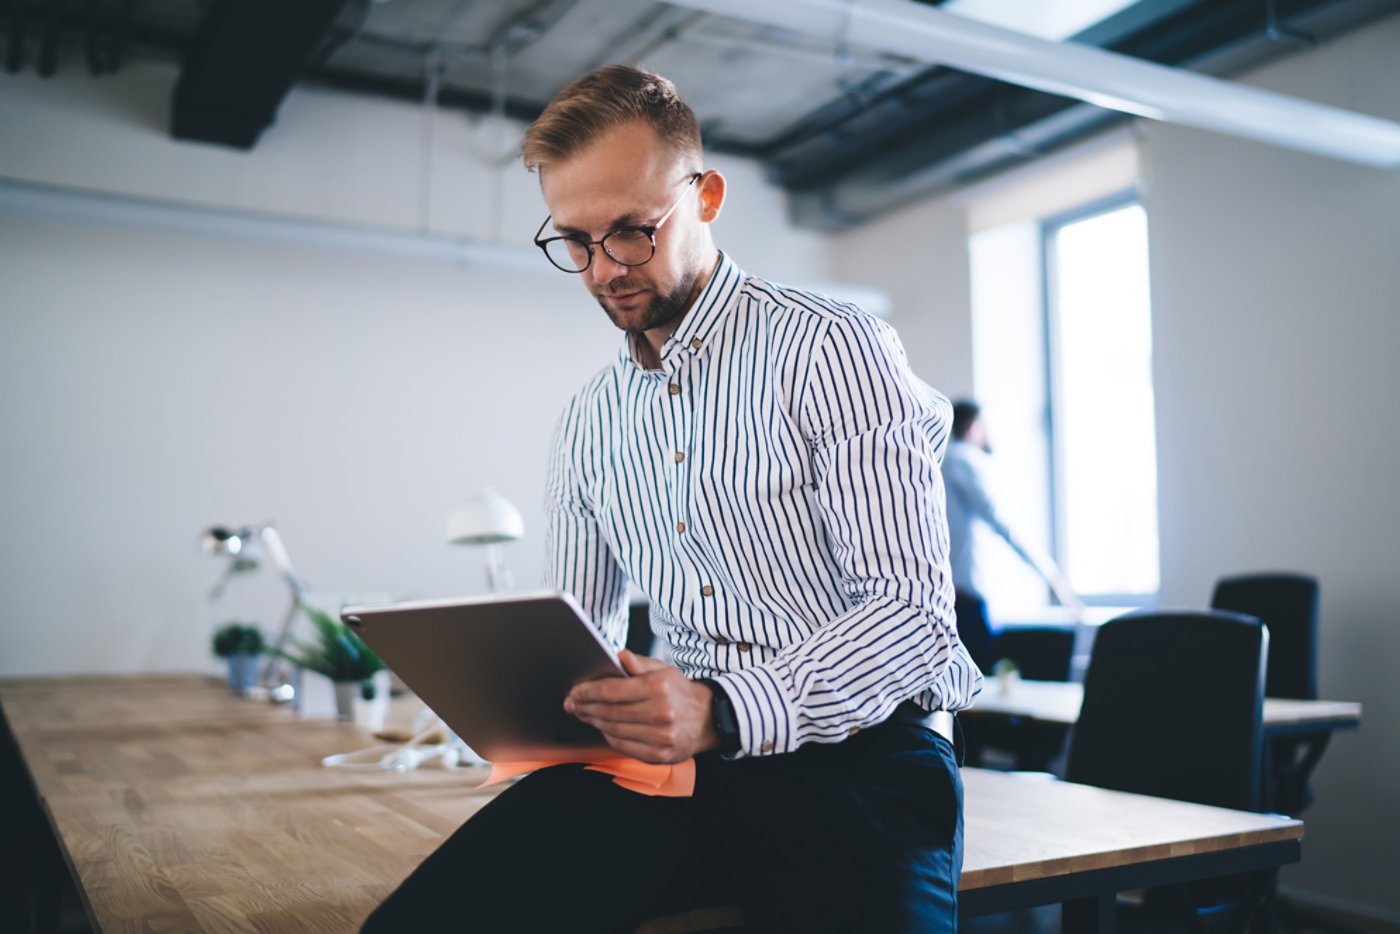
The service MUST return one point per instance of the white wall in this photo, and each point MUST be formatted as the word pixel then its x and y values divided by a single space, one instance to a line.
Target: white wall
pixel 919 255
pixel 1276 307
pixel 157 381
pixel 1276 303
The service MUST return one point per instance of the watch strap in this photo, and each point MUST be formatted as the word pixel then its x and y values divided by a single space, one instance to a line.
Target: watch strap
pixel 722 717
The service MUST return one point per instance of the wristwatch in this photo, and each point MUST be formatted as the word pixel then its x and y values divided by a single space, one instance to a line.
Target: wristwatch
pixel 722 717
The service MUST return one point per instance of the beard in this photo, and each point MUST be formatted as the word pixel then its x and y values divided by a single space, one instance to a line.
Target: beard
pixel 661 309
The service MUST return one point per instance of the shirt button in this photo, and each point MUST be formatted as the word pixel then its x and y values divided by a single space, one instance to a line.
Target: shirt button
pixel 853 731
pixel 767 746
pixel 721 640
pixel 680 526
pixel 696 344
pixel 680 456
pixel 744 646
pixel 707 591
pixel 674 389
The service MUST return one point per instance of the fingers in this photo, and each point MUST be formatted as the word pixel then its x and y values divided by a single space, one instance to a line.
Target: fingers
pixel 635 664
pixel 645 752
pixel 645 734
pixel 603 712
pixel 612 691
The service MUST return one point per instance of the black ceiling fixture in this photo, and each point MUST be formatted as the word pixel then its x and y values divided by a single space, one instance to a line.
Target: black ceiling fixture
pixel 247 56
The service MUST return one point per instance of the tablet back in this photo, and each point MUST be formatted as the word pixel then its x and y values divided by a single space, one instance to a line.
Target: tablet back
pixel 496 668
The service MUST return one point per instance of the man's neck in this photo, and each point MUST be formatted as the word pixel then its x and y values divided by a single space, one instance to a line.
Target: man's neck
pixel 648 344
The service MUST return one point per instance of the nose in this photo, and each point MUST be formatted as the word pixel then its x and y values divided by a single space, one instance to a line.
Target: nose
pixel 604 268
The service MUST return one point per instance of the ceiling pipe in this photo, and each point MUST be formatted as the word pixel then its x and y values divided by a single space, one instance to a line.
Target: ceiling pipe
pixel 1106 79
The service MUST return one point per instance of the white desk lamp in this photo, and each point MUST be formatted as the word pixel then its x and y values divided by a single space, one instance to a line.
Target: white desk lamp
pixel 487 519
pixel 235 543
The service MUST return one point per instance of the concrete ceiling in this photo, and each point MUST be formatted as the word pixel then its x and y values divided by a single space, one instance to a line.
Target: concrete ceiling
pixel 849 132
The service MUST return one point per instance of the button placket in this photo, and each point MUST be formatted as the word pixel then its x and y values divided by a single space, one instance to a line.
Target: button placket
pixel 681 416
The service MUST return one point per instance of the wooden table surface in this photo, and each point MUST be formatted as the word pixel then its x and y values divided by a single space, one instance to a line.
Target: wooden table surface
pixel 1059 702
pixel 180 807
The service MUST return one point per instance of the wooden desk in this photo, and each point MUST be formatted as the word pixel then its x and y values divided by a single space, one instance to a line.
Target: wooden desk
pixel 1058 702
pixel 178 807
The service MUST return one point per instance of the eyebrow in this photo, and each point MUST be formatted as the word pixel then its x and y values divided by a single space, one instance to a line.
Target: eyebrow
pixel 631 219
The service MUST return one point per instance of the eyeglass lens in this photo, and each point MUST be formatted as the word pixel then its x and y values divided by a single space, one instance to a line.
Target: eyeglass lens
pixel 628 247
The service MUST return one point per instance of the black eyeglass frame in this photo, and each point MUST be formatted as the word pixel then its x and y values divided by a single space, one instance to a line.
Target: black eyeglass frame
pixel 648 229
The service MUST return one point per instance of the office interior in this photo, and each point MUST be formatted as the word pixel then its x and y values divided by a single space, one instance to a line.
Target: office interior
pixel 342 329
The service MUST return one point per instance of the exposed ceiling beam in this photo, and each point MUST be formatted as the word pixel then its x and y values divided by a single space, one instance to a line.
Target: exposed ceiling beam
pixel 242 64
pixel 1106 79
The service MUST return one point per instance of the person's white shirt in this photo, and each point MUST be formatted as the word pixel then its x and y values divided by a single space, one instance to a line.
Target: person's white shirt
pixel 965 469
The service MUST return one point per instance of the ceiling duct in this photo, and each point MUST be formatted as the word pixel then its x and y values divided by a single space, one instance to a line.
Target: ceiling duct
pixel 1108 80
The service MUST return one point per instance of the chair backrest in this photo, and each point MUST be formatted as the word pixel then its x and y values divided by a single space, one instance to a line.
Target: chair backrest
pixel 1287 604
pixel 1040 653
pixel 1173 706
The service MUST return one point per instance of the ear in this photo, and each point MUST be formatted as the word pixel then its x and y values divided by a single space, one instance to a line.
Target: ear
pixel 712 189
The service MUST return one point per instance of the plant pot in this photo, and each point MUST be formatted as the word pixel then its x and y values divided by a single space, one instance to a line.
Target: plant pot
pixel 368 713
pixel 371 712
pixel 242 672
pixel 345 694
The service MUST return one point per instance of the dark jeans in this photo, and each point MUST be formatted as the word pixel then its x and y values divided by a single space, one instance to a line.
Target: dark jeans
pixel 975 630
pixel 863 835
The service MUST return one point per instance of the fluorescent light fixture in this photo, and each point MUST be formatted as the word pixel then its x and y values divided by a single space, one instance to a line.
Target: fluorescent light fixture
pixel 1106 79
pixel 1048 19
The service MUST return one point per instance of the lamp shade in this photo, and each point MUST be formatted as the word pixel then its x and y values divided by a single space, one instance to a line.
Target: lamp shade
pixel 486 519
pixel 219 540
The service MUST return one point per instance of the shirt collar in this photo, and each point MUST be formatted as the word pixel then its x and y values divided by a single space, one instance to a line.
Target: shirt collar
pixel 700 323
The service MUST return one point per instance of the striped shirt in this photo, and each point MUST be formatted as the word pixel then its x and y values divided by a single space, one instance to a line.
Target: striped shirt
pixel 774 489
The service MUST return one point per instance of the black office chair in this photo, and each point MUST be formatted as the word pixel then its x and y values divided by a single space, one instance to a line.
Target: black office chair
pixel 1040 654
pixel 1173 707
pixel 1287 604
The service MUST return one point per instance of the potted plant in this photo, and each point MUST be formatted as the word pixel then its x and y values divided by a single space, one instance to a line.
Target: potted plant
pixel 241 645
pixel 339 655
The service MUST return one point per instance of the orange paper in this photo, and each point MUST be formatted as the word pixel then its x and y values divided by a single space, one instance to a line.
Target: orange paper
pixel 646 778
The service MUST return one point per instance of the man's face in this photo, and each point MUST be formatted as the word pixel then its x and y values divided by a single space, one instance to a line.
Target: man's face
pixel 626 177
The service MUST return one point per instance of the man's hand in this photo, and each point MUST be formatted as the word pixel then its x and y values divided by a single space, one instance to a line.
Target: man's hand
pixel 656 715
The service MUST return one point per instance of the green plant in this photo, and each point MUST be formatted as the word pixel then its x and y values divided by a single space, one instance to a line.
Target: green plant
pixel 338 653
pixel 238 639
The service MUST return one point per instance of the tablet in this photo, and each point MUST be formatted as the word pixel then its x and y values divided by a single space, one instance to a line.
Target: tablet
pixel 496 669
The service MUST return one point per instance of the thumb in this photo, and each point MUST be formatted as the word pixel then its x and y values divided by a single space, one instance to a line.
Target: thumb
pixel 635 664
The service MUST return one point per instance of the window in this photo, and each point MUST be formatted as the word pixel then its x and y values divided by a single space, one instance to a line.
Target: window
pixel 1099 309
pixel 1063 368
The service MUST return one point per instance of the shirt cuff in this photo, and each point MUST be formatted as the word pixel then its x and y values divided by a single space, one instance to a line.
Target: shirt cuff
pixel 767 721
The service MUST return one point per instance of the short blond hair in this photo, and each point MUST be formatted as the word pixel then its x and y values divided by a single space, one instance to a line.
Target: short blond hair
pixel 609 97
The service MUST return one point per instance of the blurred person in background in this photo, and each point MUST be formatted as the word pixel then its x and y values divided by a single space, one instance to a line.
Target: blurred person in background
pixel 965 469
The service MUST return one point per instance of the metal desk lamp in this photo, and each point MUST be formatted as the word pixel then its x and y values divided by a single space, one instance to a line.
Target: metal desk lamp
pixel 487 519
pixel 235 543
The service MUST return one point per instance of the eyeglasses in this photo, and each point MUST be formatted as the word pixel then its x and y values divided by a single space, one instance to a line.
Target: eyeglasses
pixel 627 246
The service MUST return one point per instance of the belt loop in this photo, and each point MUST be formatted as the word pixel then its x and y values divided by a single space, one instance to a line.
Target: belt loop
pixel 959 742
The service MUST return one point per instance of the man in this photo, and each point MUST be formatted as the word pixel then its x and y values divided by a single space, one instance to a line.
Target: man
pixel 970 503
pixel 763 465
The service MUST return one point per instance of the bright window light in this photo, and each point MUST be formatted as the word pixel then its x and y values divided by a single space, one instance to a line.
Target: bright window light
pixel 1104 422
pixel 1048 19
